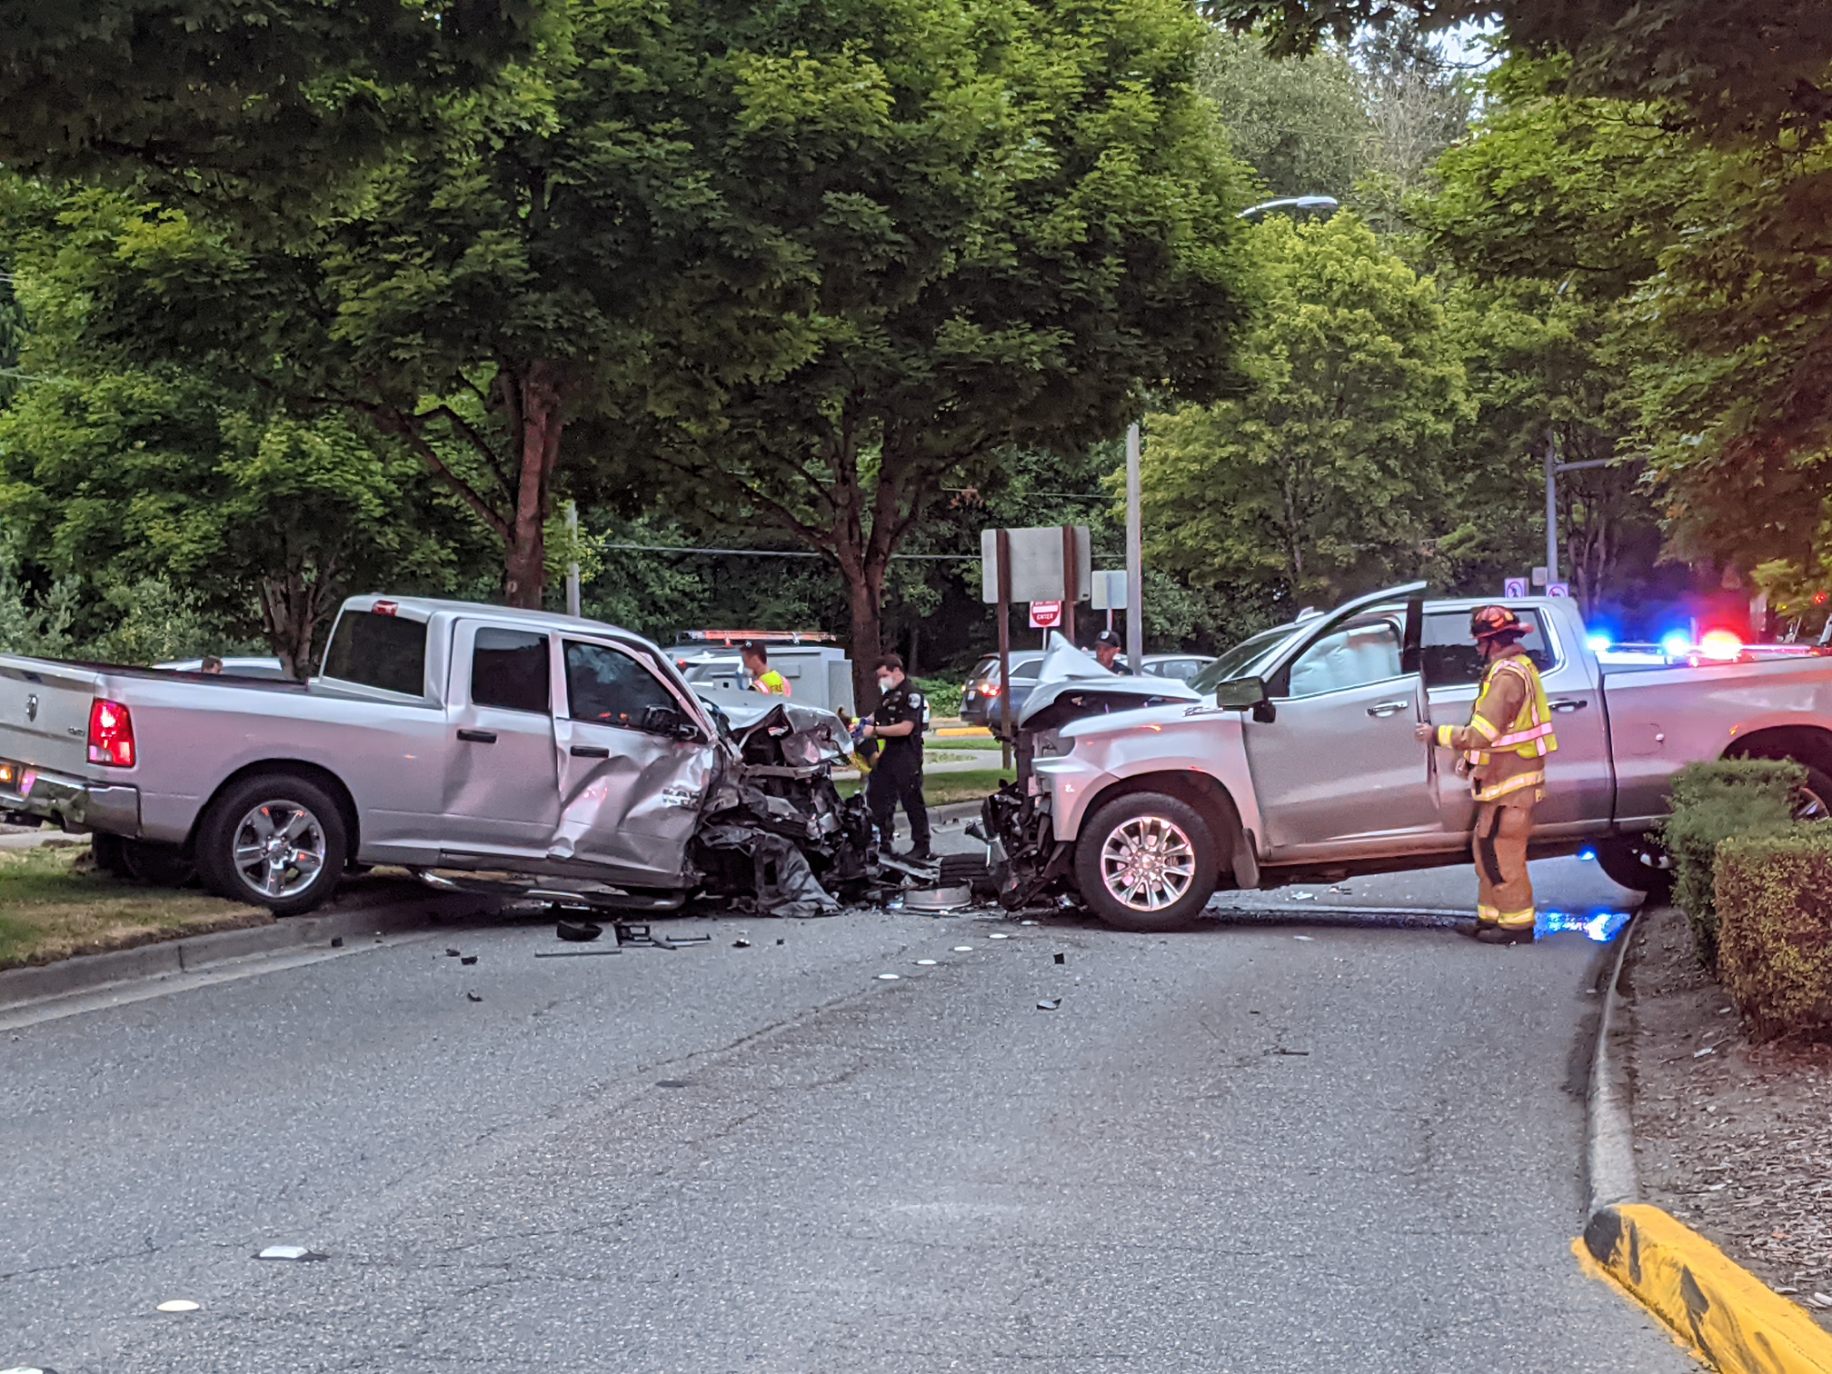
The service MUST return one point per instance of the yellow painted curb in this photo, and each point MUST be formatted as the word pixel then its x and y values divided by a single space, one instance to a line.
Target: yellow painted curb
pixel 963 731
pixel 1729 1317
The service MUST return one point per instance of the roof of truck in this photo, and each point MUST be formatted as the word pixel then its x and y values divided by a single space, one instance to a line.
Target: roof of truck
pixel 430 606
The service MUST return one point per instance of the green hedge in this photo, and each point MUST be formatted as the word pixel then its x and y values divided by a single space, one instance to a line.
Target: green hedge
pixel 1714 802
pixel 944 695
pixel 1774 908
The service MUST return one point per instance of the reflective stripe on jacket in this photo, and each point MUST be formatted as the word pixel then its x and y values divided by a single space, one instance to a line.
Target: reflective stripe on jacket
pixel 1509 731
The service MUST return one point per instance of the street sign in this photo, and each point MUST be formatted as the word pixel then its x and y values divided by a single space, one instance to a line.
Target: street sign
pixel 1558 589
pixel 1514 587
pixel 1037 571
pixel 1110 591
pixel 1045 615
pixel 1541 575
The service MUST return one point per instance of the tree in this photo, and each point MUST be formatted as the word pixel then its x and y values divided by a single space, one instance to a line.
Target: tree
pixel 1008 220
pixel 1300 123
pixel 240 98
pixel 1749 70
pixel 1327 477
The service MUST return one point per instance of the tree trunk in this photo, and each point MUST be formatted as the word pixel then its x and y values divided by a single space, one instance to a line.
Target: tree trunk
pixel 290 616
pixel 539 410
pixel 865 604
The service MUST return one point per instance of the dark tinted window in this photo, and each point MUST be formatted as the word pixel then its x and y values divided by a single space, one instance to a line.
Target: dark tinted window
pixel 1450 655
pixel 606 687
pixel 509 669
pixel 378 651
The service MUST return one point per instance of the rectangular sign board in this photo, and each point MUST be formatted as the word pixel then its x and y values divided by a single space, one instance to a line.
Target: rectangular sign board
pixel 1514 587
pixel 1558 589
pixel 1036 564
pixel 1110 591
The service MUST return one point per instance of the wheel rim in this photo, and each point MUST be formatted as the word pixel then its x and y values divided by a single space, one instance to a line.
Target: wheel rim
pixel 1148 863
pixel 1809 805
pixel 280 849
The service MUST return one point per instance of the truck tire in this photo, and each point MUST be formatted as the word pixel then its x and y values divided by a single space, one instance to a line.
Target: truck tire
pixel 1146 862
pixel 1636 864
pixel 275 840
pixel 155 865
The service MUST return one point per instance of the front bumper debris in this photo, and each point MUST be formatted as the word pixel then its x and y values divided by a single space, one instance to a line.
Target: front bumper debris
pixel 1036 863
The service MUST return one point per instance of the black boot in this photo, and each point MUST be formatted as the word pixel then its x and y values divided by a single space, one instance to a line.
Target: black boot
pixel 1504 935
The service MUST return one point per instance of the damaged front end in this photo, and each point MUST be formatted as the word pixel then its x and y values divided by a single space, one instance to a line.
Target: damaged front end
pixel 1035 862
pixel 776 837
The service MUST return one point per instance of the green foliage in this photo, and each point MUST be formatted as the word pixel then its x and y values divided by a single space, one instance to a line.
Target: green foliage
pixel 942 693
pixel 1775 930
pixel 1329 475
pixel 1300 123
pixel 1712 803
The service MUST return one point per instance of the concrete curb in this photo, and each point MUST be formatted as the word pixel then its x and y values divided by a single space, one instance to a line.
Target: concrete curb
pixel 1731 1320
pixel 1727 1316
pixel 167 958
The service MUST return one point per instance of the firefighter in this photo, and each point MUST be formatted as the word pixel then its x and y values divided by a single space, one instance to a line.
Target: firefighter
pixel 764 678
pixel 897 775
pixel 1504 749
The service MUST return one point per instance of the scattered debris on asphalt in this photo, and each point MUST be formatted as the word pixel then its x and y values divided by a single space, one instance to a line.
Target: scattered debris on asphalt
pixel 1049 1004
pixel 337 942
pixel 671 1083
pixel 925 963
pixel 473 996
pixel 452 953
pixel 468 959
pixel 1303 896
pixel 580 932
pixel 179 1305
pixel 999 935
pixel 1306 938
pixel 576 953
pixel 963 949
pixel 741 943
pixel 1062 958
pixel 296 1253
pixel 889 977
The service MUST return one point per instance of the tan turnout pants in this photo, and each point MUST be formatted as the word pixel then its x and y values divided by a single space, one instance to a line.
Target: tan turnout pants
pixel 1504 890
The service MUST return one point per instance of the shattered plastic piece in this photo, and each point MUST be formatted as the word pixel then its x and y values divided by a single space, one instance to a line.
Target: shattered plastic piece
pixel 1062 958
pixel 999 935
pixel 27 1369
pixel 925 963
pixel 468 959
pixel 1049 1004
pixel 473 996
pixel 579 931
pixel 963 949
pixel 782 942
pixel 889 977
pixel 179 1305
pixel 1027 923
pixel 1708 1050
pixel 451 954
pixel 741 943
pixel 289 1252
pixel 1303 896
pixel 337 942
pixel 1306 938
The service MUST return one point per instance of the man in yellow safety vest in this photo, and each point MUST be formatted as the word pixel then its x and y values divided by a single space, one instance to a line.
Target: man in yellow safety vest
pixel 1504 750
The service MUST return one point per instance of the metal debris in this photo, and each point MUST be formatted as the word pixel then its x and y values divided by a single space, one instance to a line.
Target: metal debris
pixel 576 953
pixel 581 932
pixel 297 1253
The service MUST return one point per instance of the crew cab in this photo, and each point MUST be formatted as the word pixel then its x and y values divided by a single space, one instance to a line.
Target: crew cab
pixel 439 735
pixel 1295 758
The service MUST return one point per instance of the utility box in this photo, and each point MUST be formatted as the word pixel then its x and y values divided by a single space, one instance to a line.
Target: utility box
pixel 817 674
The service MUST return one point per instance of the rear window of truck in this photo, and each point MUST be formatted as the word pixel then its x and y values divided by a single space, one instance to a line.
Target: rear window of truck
pixel 382 651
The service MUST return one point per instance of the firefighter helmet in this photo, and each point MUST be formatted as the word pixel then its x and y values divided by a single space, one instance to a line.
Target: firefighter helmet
pixel 1494 622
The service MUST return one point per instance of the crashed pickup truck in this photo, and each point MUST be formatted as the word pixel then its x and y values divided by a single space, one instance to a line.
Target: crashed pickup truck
pixel 1293 758
pixel 555 755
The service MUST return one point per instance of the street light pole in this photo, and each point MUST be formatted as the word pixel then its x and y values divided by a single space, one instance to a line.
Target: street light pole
pixel 1135 554
pixel 1553 469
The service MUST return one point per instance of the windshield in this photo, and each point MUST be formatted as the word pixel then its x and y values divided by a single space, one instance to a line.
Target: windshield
pixel 1241 660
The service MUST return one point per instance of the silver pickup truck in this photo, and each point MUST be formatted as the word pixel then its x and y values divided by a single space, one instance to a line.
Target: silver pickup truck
pixel 1293 758
pixel 439 736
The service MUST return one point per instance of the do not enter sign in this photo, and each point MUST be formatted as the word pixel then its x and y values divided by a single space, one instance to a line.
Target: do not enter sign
pixel 1045 615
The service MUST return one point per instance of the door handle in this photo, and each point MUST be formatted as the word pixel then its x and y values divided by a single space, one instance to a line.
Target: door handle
pixel 590 751
pixel 477 736
pixel 1567 704
pixel 1389 708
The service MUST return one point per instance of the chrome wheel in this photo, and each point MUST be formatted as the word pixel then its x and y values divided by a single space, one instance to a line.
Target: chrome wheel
pixel 280 849
pixel 1809 805
pixel 1147 863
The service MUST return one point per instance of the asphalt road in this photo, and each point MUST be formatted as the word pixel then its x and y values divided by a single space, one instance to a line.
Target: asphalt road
pixel 1292 1140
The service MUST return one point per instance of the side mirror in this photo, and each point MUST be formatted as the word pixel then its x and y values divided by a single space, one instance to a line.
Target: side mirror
pixel 1241 694
pixel 666 720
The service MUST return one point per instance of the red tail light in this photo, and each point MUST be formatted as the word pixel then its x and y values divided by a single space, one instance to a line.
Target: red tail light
pixel 111 734
pixel 988 689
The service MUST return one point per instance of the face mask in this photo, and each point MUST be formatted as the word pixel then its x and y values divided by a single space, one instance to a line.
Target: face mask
pixel 885 684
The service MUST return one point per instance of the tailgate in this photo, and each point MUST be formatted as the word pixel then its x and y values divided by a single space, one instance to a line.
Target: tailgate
pixel 44 714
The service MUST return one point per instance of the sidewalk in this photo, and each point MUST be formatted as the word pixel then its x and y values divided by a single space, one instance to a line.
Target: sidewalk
pixel 1734 1140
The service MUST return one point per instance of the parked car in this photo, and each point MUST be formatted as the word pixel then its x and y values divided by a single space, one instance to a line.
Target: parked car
pixel 981 697
pixel 1296 760
pixel 270 668
pixel 1182 667
pixel 440 735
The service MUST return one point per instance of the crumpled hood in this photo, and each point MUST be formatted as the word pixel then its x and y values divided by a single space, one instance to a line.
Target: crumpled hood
pixel 744 711
pixel 1067 671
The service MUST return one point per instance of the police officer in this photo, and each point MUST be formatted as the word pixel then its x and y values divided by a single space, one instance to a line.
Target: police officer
pixel 1107 650
pixel 897 776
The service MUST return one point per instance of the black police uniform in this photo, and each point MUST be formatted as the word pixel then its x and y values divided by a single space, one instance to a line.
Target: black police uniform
pixel 897 776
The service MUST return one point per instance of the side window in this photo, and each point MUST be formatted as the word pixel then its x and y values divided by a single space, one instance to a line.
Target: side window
pixel 605 687
pixel 509 670
pixel 1449 656
pixel 1353 656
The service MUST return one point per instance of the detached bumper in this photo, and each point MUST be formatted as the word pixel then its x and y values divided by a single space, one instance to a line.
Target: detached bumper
pixel 73 803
